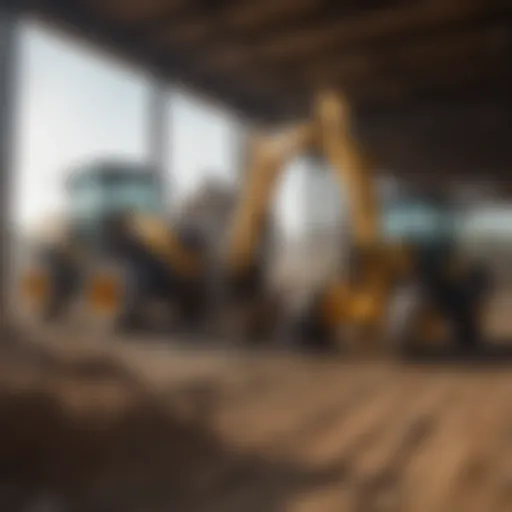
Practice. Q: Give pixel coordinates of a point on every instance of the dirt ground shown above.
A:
(87, 425)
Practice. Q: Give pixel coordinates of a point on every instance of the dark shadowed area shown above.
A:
(139, 428)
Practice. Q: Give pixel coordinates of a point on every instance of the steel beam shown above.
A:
(240, 141)
(10, 16)
(158, 134)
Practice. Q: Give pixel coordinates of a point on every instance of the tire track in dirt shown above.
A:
(339, 444)
(356, 427)
(310, 409)
(379, 468)
(480, 484)
(303, 435)
(434, 473)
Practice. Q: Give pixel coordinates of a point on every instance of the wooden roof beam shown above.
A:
(243, 23)
(364, 28)
(231, 57)
(404, 63)
(494, 42)
(451, 84)
(447, 145)
(197, 26)
(134, 12)
(394, 23)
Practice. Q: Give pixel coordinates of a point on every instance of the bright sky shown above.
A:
(76, 103)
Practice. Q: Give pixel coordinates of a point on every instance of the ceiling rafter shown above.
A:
(232, 58)
(425, 53)
(190, 26)
(378, 25)
(134, 12)
(267, 58)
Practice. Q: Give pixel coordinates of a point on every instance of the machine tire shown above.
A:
(467, 332)
(63, 280)
(466, 319)
(405, 308)
(129, 316)
(479, 286)
(305, 329)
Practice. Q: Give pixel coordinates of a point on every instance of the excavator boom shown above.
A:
(268, 159)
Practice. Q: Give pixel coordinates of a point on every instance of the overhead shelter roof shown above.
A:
(267, 57)
(433, 78)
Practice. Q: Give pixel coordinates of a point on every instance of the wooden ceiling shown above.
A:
(431, 80)
(266, 58)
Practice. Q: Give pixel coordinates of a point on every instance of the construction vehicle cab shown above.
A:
(420, 219)
(102, 189)
(441, 292)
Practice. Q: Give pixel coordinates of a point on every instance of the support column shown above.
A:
(10, 15)
(241, 141)
(158, 135)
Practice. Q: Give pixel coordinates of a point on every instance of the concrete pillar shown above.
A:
(240, 143)
(158, 135)
(10, 14)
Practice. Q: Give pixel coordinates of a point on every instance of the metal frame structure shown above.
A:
(10, 16)
(158, 133)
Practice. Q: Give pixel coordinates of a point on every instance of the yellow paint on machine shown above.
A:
(104, 294)
(35, 285)
(162, 241)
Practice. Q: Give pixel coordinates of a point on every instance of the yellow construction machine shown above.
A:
(119, 252)
(245, 259)
(116, 252)
(363, 299)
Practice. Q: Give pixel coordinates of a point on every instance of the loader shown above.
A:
(116, 253)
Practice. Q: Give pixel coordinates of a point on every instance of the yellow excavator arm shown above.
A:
(362, 299)
(268, 159)
(162, 241)
(329, 132)
(351, 166)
